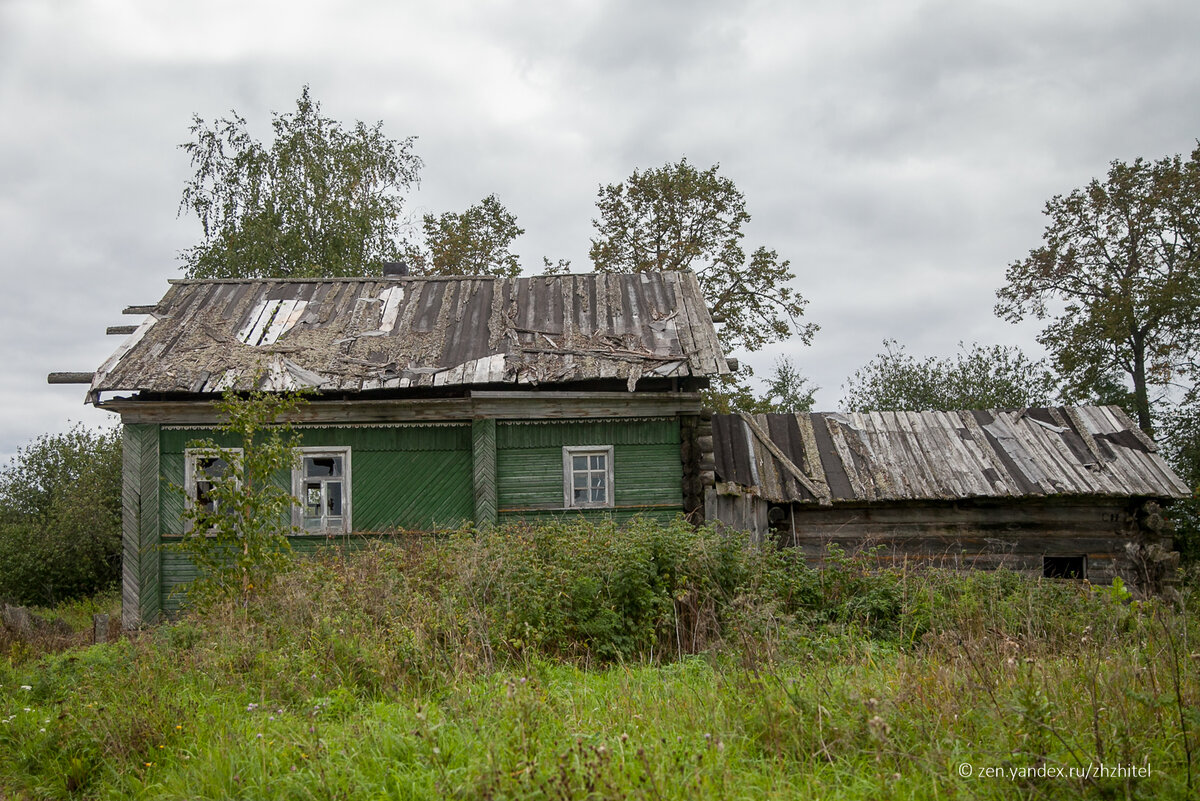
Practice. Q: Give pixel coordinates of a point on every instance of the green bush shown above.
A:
(60, 517)
(593, 588)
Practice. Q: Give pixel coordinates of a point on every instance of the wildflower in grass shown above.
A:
(178, 727)
(26, 686)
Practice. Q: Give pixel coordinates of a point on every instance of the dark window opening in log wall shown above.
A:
(1068, 567)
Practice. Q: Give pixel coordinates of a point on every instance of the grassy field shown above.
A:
(587, 662)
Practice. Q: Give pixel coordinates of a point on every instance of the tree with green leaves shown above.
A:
(475, 242)
(787, 392)
(1118, 279)
(1180, 436)
(60, 517)
(995, 377)
(318, 200)
(677, 217)
(238, 529)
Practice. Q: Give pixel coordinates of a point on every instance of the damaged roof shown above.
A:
(353, 334)
(828, 458)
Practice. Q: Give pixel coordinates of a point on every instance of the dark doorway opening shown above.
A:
(1068, 567)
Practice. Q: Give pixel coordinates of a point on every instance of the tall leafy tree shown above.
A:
(995, 377)
(476, 242)
(1118, 279)
(677, 217)
(318, 200)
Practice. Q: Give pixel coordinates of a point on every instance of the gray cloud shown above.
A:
(898, 153)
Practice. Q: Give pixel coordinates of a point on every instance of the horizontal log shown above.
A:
(69, 378)
(140, 309)
(118, 330)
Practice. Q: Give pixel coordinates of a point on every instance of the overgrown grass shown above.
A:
(584, 662)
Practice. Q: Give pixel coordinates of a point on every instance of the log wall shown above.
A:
(1014, 535)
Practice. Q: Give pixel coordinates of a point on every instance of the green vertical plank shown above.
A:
(140, 586)
(483, 440)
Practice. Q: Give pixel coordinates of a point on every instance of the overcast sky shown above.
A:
(898, 153)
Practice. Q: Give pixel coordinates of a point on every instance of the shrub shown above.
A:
(60, 517)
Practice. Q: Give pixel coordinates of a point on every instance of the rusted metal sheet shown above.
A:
(369, 333)
(1092, 451)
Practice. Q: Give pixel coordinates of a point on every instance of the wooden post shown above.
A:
(483, 445)
(100, 628)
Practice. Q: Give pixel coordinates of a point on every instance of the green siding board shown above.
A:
(621, 516)
(647, 473)
(642, 475)
(411, 477)
(428, 478)
(170, 495)
(417, 491)
(657, 431)
(357, 438)
(178, 570)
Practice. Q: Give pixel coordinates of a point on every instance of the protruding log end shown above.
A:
(69, 378)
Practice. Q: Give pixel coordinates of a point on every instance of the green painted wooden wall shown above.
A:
(647, 474)
(426, 478)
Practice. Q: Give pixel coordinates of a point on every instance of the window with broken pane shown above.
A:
(322, 490)
(587, 476)
(204, 470)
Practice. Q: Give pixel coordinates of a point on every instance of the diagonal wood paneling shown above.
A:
(421, 490)
(484, 463)
(140, 584)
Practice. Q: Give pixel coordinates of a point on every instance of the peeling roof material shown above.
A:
(371, 333)
(918, 456)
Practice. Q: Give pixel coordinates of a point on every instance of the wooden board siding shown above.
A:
(140, 579)
(410, 477)
(647, 474)
(178, 570)
(1013, 535)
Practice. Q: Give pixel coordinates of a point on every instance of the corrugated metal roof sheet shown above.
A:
(370, 333)
(902, 456)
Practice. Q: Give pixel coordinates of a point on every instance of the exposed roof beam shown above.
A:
(69, 378)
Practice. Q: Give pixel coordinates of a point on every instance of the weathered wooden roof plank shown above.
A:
(368, 332)
(899, 456)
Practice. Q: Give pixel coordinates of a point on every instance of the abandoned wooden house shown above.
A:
(438, 401)
(1062, 492)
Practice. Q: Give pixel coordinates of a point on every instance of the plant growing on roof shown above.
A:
(238, 514)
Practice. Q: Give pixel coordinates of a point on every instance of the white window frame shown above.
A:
(191, 459)
(570, 451)
(298, 478)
